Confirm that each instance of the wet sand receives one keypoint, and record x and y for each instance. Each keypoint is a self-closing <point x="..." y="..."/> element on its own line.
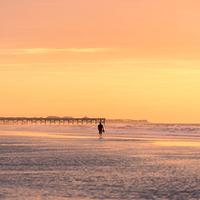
<point x="78" y="165"/>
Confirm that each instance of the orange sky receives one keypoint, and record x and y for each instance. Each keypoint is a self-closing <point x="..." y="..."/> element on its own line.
<point x="115" y="58"/>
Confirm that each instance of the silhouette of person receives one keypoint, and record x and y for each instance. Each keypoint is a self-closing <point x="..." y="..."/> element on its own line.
<point x="101" y="129"/>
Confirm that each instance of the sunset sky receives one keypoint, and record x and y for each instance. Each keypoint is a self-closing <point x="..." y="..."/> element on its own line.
<point x="136" y="59"/>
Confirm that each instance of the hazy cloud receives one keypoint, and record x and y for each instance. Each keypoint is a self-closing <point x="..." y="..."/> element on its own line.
<point x="31" y="51"/>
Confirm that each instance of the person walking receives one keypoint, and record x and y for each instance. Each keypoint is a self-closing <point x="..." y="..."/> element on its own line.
<point x="101" y="129"/>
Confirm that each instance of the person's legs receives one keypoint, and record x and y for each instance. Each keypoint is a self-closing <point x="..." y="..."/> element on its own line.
<point x="100" y="133"/>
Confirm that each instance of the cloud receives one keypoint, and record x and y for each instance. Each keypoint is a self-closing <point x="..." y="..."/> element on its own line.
<point x="35" y="51"/>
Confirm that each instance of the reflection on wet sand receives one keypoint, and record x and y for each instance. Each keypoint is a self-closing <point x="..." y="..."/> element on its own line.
<point x="69" y="136"/>
<point x="177" y="143"/>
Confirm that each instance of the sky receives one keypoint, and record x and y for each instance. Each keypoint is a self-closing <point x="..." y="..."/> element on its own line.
<point x="136" y="59"/>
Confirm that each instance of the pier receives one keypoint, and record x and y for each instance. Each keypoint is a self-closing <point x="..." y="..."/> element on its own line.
<point x="49" y="120"/>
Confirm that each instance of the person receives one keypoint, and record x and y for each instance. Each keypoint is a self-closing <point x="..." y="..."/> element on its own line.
<point x="101" y="129"/>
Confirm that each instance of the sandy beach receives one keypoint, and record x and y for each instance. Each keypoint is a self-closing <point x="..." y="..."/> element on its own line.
<point x="61" y="163"/>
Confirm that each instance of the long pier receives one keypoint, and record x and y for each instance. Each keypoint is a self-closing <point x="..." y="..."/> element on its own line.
<point x="49" y="120"/>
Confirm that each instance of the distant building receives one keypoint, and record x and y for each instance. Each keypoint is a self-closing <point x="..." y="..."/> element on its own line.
<point x="127" y="121"/>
